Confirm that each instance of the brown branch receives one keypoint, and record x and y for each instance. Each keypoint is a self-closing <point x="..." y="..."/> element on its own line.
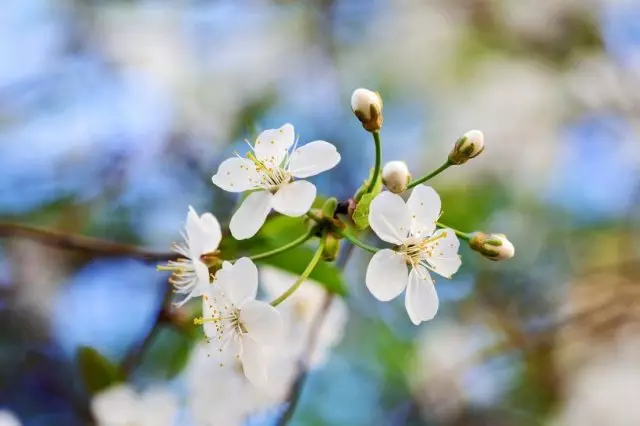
<point x="295" y="391"/>
<point x="81" y="243"/>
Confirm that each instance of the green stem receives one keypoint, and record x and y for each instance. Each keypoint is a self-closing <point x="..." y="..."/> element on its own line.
<point x="305" y="274"/>
<point x="376" y="170"/>
<point x="314" y="216"/>
<point x="434" y="173"/>
<point x="460" y="234"/>
<point x="355" y="241"/>
<point x="293" y="244"/>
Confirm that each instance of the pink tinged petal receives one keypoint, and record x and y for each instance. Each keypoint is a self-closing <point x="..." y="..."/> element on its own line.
<point x="386" y="275"/>
<point x="313" y="158"/>
<point x="237" y="175"/>
<point x="421" y="299"/>
<point x="444" y="258"/>
<point x="250" y="217"/>
<point x="272" y="145"/>
<point x="390" y="218"/>
<point x="294" y="199"/>
<point x="211" y="231"/>
<point x="263" y="322"/>
<point x="425" y="206"/>
<point x="242" y="282"/>
<point x="253" y="362"/>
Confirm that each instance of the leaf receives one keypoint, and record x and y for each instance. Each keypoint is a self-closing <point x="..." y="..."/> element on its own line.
<point x="361" y="214"/>
<point x="169" y="353"/>
<point x="296" y="260"/>
<point x="363" y="188"/>
<point x="98" y="373"/>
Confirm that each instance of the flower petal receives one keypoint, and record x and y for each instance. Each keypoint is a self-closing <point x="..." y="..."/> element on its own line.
<point x="115" y="406"/>
<point x="272" y="145"/>
<point x="386" y="275"/>
<point x="253" y="362"/>
<point x="212" y="233"/>
<point x="424" y="205"/>
<point x="210" y="310"/>
<point x="390" y="218"/>
<point x="158" y="407"/>
<point x="236" y="175"/>
<point x="250" y="217"/>
<point x="313" y="158"/>
<point x="294" y="199"/>
<point x="421" y="299"/>
<point x="240" y="281"/>
<point x="444" y="258"/>
<point x="263" y="322"/>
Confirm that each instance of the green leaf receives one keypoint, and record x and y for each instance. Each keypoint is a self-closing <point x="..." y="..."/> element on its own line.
<point x="98" y="373"/>
<point x="361" y="214"/>
<point x="169" y="353"/>
<point x="363" y="188"/>
<point x="296" y="260"/>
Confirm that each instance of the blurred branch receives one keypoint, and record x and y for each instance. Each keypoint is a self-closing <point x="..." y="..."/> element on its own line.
<point x="295" y="391"/>
<point x="80" y="243"/>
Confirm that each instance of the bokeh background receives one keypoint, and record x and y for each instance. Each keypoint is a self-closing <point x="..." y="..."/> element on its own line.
<point x="115" y="114"/>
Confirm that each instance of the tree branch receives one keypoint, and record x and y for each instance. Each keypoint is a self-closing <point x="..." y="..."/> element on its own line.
<point x="80" y="243"/>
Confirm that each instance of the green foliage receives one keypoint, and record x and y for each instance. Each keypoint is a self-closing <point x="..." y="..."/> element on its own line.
<point x="98" y="373"/>
<point x="363" y="188"/>
<point x="169" y="352"/>
<point x="361" y="214"/>
<point x="281" y="230"/>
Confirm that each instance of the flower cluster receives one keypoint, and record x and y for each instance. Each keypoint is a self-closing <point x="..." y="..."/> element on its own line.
<point x="248" y="335"/>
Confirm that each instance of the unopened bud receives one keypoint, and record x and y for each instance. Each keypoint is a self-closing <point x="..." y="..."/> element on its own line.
<point x="396" y="176"/>
<point x="331" y="248"/>
<point x="329" y="208"/>
<point x="367" y="106"/>
<point x="468" y="146"/>
<point x="492" y="246"/>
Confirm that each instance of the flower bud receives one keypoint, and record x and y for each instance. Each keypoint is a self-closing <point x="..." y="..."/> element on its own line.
<point x="331" y="248"/>
<point x="367" y="106"/>
<point x="468" y="146"/>
<point x="329" y="208"/>
<point x="396" y="176"/>
<point x="492" y="246"/>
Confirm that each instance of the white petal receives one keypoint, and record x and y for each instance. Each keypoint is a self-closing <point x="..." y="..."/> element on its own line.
<point x="236" y="175"/>
<point x="240" y="281"/>
<point x="386" y="275"/>
<point x="158" y="407"/>
<point x="294" y="199"/>
<point x="263" y="322"/>
<point x="7" y="418"/>
<point x="390" y="218"/>
<point x="115" y="406"/>
<point x="444" y="258"/>
<point x="253" y="362"/>
<point x="272" y="145"/>
<point x="424" y="205"/>
<point x="209" y="310"/>
<point x="421" y="299"/>
<point x="313" y="158"/>
<point x="250" y="217"/>
<point x="212" y="233"/>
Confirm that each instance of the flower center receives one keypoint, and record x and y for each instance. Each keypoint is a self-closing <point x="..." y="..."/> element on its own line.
<point x="272" y="176"/>
<point x="417" y="251"/>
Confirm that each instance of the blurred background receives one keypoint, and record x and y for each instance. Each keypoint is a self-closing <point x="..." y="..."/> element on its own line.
<point x="115" y="114"/>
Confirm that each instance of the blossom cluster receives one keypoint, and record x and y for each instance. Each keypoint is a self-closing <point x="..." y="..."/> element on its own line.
<point x="244" y="331"/>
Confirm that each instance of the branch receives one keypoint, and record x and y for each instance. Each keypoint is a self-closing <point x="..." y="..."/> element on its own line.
<point x="80" y="243"/>
<point x="295" y="391"/>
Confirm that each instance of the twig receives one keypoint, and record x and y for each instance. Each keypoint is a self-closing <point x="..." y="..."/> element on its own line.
<point x="80" y="243"/>
<point x="295" y="391"/>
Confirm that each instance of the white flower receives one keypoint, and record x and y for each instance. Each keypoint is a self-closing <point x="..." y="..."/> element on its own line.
<point x="121" y="405"/>
<point x="270" y="169"/>
<point x="7" y="418"/>
<point x="492" y="246"/>
<point x="396" y="176"/>
<point x="236" y="323"/>
<point x="412" y="227"/>
<point x="299" y="311"/>
<point x="367" y="106"/>
<point x="202" y="235"/>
